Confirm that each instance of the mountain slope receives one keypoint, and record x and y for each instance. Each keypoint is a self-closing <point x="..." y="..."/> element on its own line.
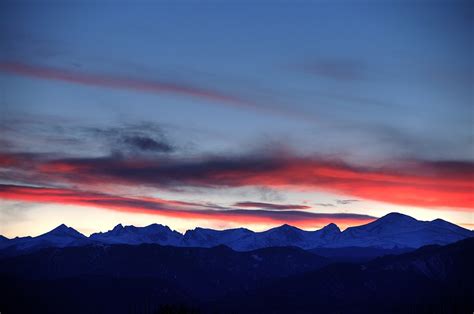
<point x="391" y="232"/>
<point x="202" y="237"/>
<point x="4" y="241"/>
<point x="286" y="235"/>
<point x="142" y="278"/>
<point x="52" y="279"/>
<point x="356" y="254"/>
<point x="61" y="236"/>
<point x="153" y="233"/>
<point x="400" y="231"/>
<point x="432" y="279"/>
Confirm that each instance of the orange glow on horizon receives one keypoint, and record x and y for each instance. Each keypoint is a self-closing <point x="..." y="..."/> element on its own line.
<point x="176" y="209"/>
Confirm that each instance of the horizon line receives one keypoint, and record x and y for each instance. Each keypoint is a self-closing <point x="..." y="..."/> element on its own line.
<point x="225" y="229"/>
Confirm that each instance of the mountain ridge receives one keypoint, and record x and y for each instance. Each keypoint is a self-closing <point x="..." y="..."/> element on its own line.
<point x="392" y="231"/>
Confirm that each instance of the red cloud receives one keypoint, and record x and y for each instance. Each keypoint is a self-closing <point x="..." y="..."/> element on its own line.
<point x="424" y="184"/>
<point x="176" y="209"/>
<point x="414" y="183"/>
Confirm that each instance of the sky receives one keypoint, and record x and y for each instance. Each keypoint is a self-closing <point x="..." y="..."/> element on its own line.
<point x="234" y="114"/>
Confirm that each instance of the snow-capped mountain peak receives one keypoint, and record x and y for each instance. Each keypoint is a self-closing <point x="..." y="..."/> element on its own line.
<point x="154" y="233"/>
<point x="285" y="228"/>
<point x="203" y="237"/>
<point x="331" y="228"/>
<point x="64" y="231"/>
<point x="61" y="236"/>
<point x="397" y="230"/>
<point x="117" y="228"/>
<point x="394" y="230"/>
<point x="396" y="218"/>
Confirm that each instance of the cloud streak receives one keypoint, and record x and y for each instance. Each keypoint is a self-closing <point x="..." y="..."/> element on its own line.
<point x="270" y="206"/>
<point x="175" y="209"/>
<point x="430" y="184"/>
<point x="150" y="86"/>
<point x="108" y="81"/>
<point x="346" y="202"/>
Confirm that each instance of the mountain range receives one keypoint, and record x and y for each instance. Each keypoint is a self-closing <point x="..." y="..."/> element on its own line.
<point x="152" y="279"/>
<point x="390" y="232"/>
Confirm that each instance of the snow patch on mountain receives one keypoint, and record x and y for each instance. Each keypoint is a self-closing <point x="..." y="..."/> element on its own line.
<point x="400" y="231"/>
<point x="154" y="233"/>
<point x="388" y="232"/>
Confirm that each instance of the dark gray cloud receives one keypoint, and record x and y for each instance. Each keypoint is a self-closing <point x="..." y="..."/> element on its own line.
<point x="49" y="134"/>
<point x="421" y="183"/>
<point x="145" y="137"/>
<point x="146" y="144"/>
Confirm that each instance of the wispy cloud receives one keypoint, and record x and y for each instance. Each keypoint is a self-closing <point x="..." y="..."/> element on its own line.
<point x="117" y="82"/>
<point x="270" y="205"/>
<point x="345" y="202"/>
<point x="175" y="209"/>
<point x="325" y="204"/>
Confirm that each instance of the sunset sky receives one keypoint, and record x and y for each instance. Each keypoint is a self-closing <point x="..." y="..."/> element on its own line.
<point x="223" y="115"/>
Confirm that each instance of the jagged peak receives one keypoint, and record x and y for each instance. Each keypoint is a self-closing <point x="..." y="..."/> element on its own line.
<point x="63" y="229"/>
<point x="117" y="227"/>
<point x="285" y="227"/>
<point x="130" y="228"/>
